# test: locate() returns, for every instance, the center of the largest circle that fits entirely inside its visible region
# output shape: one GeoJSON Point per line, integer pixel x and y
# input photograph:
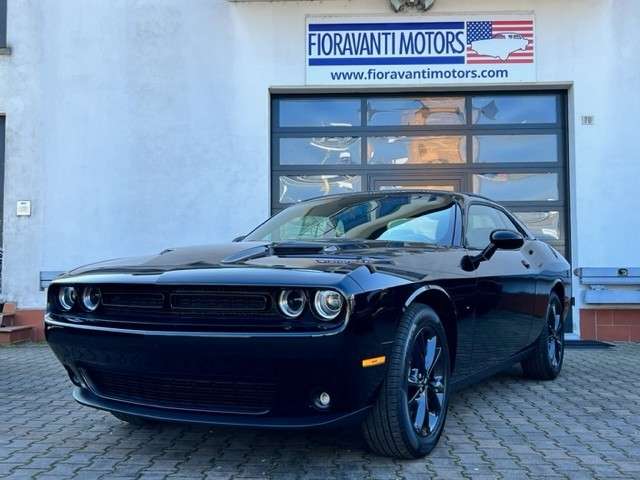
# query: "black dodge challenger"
{"type": "Point", "coordinates": [367, 309]}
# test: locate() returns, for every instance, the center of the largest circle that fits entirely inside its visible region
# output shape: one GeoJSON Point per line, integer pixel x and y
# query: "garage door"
{"type": "Point", "coordinates": [507, 146]}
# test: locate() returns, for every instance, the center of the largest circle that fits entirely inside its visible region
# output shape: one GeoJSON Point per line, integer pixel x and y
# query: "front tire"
{"type": "Point", "coordinates": [545, 362]}
{"type": "Point", "coordinates": [409, 415]}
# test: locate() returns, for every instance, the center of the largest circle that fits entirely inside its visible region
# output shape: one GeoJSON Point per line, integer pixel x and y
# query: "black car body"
{"type": "Point", "coordinates": [197, 334]}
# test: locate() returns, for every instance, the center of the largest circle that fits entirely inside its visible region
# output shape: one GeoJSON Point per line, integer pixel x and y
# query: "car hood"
{"type": "Point", "coordinates": [263, 262]}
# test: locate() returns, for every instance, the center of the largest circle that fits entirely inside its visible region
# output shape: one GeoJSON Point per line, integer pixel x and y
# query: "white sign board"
{"type": "Point", "coordinates": [420, 50]}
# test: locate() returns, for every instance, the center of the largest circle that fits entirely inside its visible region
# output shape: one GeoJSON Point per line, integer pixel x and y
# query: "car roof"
{"type": "Point", "coordinates": [465, 196]}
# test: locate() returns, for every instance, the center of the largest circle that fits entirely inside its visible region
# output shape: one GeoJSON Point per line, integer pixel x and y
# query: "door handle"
{"type": "Point", "coordinates": [526, 264]}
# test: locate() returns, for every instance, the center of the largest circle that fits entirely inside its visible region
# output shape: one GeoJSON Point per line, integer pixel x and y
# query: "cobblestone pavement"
{"type": "Point", "coordinates": [586, 424]}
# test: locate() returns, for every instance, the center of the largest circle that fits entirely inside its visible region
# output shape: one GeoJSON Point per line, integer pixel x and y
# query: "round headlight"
{"type": "Point", "coordinates": [292, 302]}
{"type": "Point", "coordinates": [328, 304]}
{"type": "Point", "coordinates": [67, 297]}
{"type": "Point", "coordinates": [91, 297]}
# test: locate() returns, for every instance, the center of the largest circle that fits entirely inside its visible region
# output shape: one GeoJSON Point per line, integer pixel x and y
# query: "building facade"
{"type": "Point", "coordinates": [129, 127]}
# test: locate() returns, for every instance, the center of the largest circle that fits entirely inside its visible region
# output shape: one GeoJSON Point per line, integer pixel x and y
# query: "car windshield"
{"type": "Point", "coordinates": [412, 217]}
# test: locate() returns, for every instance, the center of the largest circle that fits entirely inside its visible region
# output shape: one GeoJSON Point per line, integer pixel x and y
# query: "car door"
{"type": "Point", "coordinates": [505, 294]}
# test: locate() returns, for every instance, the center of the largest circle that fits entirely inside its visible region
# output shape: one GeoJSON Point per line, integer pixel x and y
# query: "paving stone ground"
{"type": "Point", "coordinates": [586, 424]}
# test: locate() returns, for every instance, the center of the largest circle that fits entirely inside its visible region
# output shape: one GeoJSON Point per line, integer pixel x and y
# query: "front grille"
{"type": "Point", "coordinates": [132, 300]}
{"type": "Point", "coordinates": [185, 393]}
{"type": "Point", "coordinates": [219, 302]}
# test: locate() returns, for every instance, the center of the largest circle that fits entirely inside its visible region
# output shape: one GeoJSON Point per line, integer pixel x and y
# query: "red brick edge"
{"type": "Point", "coordinates": [33, 319]}
{"type": "Point", "coordinates": [621, 325]}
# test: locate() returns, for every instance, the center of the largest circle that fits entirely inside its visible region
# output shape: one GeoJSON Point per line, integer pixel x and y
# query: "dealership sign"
{"type": "Point", "coordinates": [420, 50]}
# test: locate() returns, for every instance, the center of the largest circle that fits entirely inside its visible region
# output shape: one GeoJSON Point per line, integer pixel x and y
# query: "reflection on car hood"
{"type": "Point", "coordinates": [340, 257]}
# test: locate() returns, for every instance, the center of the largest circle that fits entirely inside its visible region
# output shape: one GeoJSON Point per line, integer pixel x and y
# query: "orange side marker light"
{"type": "Point", "coordinates": [373, 362]}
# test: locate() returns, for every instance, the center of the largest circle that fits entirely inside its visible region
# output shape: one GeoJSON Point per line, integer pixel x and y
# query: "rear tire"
{"type": "Point", "coordinates": [133, 419]}
{"type": "Point", "coordinates": [409, 415]}
{"type": "Point", "coordinates": [545, 362]}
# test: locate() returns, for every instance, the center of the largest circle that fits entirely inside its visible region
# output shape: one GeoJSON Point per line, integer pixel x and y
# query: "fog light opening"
{"type": "Point", "coordinates": [322, 401]}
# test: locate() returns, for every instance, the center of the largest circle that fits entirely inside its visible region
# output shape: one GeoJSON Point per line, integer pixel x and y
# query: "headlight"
{"type": "Point", "coordinates": [91, 297]}
{"type": "Point", "coordinates": [292, 302]}
{"type": "Point", "coordinates": [328, 304]}
{"type": "Point", "coordinates": [67, 297]}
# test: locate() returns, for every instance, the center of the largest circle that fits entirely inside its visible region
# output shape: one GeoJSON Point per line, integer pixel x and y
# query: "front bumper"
{"type": "Point", "coordinates": [86, 397]}
{"type": "Point", "coordinates": [295, 369]}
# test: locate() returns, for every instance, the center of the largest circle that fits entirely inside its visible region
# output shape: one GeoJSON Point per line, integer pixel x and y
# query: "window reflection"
{"type": "Point", "coordinates": [320, 112]}
{"type": "Point", "coordinates": [320, 151]}
{"type": "Point", "coordinates": [544, 225]}
{"type": "Point", "coordinates": [515, 148]}
{"type": "Point", "coordinates": [446, 187]}
{"type": "Point", "coordinates": [487, 110]}
{"type": "Point", "coordinates": [425, 218]}
{"type": "Point", "coordinates": [517, 186]}
{"type": "Point", "coordinates": [302, 187]}
{"type": "Point", "coordinates": [416, 111]}
{"type": "Point", "coordinates": [416, 150]}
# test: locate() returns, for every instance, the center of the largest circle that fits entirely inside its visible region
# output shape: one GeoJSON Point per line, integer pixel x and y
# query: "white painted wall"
{"type": "Point", "coordinates": [133, 126]}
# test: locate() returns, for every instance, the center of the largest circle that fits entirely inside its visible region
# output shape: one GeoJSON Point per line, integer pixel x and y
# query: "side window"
{"type": "Point", "coordinates": [481, 221]}
{"type": "Point", "coordinates": [436, 227]}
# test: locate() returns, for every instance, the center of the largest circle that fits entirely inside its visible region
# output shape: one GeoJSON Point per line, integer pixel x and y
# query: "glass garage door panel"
{"type": "Point", "coordinates": [521, 148]}
{"type": "Point", "coordinates": [514, 109]}
{"type": "Point", "coordinates": [517, 187]}
{"type": "Point", "coordinates": [327, 112]}
{"type": "Point", "coordinates": [320, 151]}
{"type": "Point", "coordinates": [414, 150]}
{"type": "Point", "coordinates": [546, 226]}
{"type": "Point", "coordinates": [451, 184]}
{"type": "Point", "coordinates": [416, 111]}
{"type": "Point", "coordinates": [295, 188]}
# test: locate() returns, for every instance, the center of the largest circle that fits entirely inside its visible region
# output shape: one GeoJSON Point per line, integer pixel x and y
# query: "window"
{"type": "Point", "coordinates": [420, 218]}
{"type": "Point", "coordinates": [3, 23]}
{"type": "Point", "coordinates": [320, 151]}
{"type": "Point", "coordinates": [508, 146]}
{"type": "Point", "coordinates": [518, 109]}
{"type": "Point", "coordinates": [481, 221]}
{"type": "Point", "coordinates": [301, 112]}
{"type": "Point", "coordinates": [415, 150]}
{"type": "Point", "coordinates": [416, 111]}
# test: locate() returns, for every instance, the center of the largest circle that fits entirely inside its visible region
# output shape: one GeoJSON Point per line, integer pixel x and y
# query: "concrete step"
{"type": "Point", "coordinates": [12, 335]}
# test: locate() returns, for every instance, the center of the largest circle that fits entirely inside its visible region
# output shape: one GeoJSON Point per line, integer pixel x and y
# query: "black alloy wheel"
{"type": "Point", "coordinates": [410, 412]}
{"type": "Point", "coordinates": [556, 336]}
{"type": "Point", "coordinates": [426, 383]}
{"type": "Point", "coordinates": [545, 362]}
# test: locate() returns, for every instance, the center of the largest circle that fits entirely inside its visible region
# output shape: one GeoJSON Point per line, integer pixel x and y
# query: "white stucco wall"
{"type": "Point", "coordinates": [133, 126]}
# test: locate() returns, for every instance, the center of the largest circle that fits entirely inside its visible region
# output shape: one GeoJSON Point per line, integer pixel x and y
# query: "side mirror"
{"type": "Point", "coordinates": [506, 239]}
{"type": "Point", "coordinates": [239, 239]}
{"type": "Point", "coordinates": [498, 240]}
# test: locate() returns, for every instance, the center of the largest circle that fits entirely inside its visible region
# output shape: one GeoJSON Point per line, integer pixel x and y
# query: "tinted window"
{"type": "Point", "coordinates": [515, 148]}
{"type": "Point", "coordinates": [544, 225]}
{"type": "Point", "coordinates": [518, 109]}
{"type": "Point", "coordinates": [424, 218]}
{"type": "Point", "coordinates": [481, 221]}
{"type": "Point", "coordinates": [294, 188]}
{"type": "Point", "coordinates": [320, 151]}
{"type": "Point", "coordinates": [416, 150]}
{"type": "Point", "coordinates": [517, 186]}
{"type": "Point", "coordinates": [416, 111]}
{"type": "Point", "coordinates": [319, 112]}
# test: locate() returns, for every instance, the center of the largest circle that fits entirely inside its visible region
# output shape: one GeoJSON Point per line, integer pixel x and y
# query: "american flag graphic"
{"type": "Point", "coordinates": [504, 41]}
